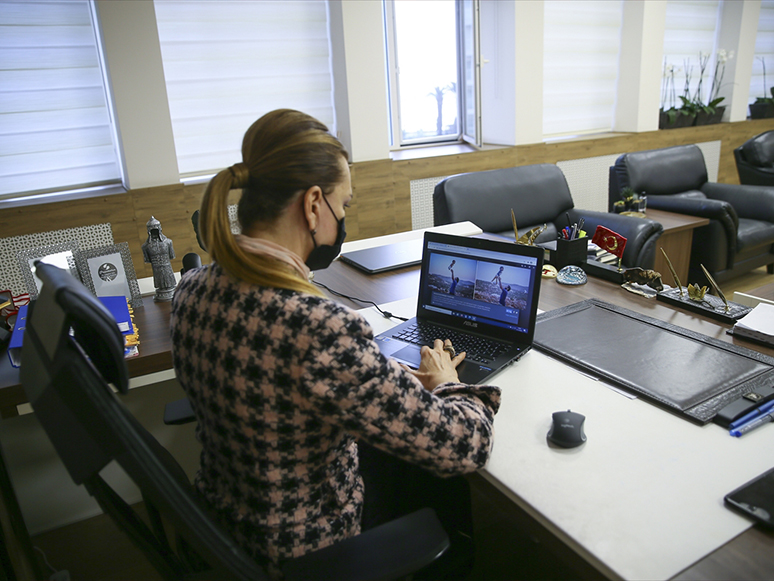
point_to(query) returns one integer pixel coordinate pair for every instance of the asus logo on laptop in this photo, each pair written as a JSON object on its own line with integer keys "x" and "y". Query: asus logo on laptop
{"x": 470, "y": 324}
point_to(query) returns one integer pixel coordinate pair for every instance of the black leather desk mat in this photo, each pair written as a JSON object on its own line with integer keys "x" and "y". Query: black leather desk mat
{"x": 691, "y": 374}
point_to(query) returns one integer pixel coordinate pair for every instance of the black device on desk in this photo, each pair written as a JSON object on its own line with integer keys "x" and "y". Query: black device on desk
{"x": 755, "y": 498}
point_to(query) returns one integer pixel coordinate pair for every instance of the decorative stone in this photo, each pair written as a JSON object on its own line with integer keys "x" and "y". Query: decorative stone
{"x": 549, "y": 271}
{"x": 571, "y": 275}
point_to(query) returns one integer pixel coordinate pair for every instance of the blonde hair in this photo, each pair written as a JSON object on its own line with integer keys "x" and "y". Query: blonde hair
{"x": 284, "y": 153}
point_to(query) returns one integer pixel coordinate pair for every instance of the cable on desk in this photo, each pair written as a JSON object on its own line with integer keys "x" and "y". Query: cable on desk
{"x": 385, "y": 314}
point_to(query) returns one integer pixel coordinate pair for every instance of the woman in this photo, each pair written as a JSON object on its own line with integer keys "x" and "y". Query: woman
{"x": 283, "y": 381}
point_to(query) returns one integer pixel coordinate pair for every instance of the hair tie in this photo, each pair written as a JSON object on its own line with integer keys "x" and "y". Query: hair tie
{"x": 241, "y": 175}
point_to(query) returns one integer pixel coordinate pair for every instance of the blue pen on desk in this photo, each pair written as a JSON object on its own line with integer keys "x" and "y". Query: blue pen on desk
{"x": 752, "y": 424}
{"x": 759, "y": 411}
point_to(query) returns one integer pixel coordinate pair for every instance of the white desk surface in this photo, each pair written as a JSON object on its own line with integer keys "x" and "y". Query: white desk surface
{"x": 643, "y": 497}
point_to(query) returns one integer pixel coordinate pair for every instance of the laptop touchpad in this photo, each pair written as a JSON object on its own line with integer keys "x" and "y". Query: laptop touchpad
{"x": 410, "y": 355}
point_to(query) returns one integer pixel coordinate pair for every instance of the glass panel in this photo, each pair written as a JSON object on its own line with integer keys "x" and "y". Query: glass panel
{"x": 57, "y": 131}
{"x": 760, "y": 86}
{"x": 426, "y": 55}
{"x": 228, "y": 63}
{"x": 581, "y": 45}
{"x": 689, "y": 45}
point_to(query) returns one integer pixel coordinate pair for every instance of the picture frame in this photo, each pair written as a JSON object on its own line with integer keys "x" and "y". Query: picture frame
{"x": 109, "y": 271}
{"x": 65, "y": 255}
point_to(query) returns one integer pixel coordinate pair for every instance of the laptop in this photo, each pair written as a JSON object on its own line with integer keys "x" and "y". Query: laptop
{"x": 480, "y": 293}
{"x": 387, "y": 257}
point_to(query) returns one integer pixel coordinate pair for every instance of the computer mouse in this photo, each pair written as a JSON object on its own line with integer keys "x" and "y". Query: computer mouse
{"x": 567, "y": 429}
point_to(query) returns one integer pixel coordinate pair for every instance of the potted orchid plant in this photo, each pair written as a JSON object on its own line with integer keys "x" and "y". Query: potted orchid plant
{"x": 670, "y": 116}
{"x": 693, "y": 109}
{"x": 763, "y": 106}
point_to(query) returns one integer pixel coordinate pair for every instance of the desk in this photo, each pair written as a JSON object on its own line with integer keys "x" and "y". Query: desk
{"x": 748, "y": 555}
{"x": 152, "y": 320}
{"x": 676, "y": 242}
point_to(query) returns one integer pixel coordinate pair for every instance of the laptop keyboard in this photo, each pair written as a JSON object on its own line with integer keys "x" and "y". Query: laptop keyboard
{"x": 476, "y": 348}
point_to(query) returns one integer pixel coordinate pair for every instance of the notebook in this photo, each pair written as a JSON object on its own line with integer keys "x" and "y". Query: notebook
{"x": 482, "y": 294}
{"x": 386, "y": 257}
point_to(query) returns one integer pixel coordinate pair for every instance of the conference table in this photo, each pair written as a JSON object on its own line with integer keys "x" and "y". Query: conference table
{"x": 643, "y": 498}
{"x": 624, "y": 505}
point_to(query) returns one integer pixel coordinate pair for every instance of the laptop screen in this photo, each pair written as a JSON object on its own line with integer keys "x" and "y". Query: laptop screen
{"x": 480, "y": 283}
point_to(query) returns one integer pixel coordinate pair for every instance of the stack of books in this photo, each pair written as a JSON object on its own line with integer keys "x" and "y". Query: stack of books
{"x": 757, "y": 325}
{"x": 118, "y": 307}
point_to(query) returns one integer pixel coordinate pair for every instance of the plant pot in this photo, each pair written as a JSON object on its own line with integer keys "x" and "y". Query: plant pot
{"x": 703, "y": 118}
{"x": 681, "y": 120}
{"x": 761, "y": 110}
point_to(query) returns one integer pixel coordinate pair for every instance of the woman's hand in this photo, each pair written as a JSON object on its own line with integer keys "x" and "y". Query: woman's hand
{"x": 439, "y": 364}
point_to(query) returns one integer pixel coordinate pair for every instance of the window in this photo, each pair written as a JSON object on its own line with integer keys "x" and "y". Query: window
{"x": 581, "y": 42}
{"x": 56, "y": 131}
{"x": 764, "y": 54}
{"x": 690, "y": 31}
{"x": 228, "y": 63}
{"x": 433, "y": 70}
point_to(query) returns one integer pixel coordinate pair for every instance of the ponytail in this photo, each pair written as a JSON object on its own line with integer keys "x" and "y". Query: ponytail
{"x": 215, "y": 230}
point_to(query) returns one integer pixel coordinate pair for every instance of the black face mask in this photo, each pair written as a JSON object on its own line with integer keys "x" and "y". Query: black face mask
{"x": 322, "y": 256}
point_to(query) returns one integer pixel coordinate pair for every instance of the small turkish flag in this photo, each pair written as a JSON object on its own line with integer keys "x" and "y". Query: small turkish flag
{"x": 608, "y": 240}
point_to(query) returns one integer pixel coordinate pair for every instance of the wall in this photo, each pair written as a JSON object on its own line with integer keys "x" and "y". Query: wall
{"x": 382, "y": 202}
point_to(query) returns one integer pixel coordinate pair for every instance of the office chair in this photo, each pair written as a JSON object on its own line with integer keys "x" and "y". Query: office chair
{"x": 67, "y": 379}
{"x": 755, "y": 160}
{"x": 538, "y": 194}
{"x": 740, "y": 233}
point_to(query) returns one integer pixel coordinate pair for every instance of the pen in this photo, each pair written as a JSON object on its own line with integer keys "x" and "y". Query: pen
{"x": 567, "y": 215}
{"x": 760, "y": 410}
{"x": 751, "y": 425}
{"x": 580, "y": 225}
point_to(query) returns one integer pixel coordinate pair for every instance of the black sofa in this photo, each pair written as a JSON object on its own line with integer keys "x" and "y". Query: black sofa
{"x": 740, "y": 234}
{"x": 538, "y": 194}
{"x": 755, "y": 160}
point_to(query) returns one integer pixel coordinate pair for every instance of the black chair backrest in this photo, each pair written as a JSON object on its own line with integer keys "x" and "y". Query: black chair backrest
{"x": 667, "y": 171}
{"x": 759, "y": 150}
{"x": 537, "y": 193}
{"x": 67, "y": 379}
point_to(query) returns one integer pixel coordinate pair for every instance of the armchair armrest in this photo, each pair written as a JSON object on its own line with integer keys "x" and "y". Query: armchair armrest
{"x": 753, "y": 202}
{"x": 703, "y": 207}
{"x": 640, "y": 233}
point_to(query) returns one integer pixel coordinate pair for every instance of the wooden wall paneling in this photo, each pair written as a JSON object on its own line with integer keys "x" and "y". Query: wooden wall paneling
{"x": 382, "y": 188}
{"x": 374, "y": 200}
{"x": 32, "y": 219}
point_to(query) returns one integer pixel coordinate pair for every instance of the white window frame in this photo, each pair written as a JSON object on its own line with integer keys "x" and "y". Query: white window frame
{"x": 468, "y": 134}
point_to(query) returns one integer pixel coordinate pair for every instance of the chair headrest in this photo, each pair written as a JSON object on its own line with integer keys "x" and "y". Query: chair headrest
{"x": 666, "y": 171}
{"x": 94, "y": 328}
{"x": 536, "y": 193}
{"x": 760, "y": 149}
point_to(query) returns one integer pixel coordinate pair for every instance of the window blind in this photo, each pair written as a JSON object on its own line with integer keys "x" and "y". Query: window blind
{"x": 690, "y": 29}
{"x": 581, "y": 42}
{"x": 764, "y": 49}
{"x": 228, "y": 63}
{"x": 55, "y": 127}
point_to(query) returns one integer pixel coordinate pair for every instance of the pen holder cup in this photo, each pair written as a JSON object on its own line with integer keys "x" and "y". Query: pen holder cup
{"x": 569, "y": 252}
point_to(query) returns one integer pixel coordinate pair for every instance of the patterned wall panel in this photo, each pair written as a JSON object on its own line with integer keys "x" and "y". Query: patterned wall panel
{"x": 11, "y": 277}
{"x": 422, "y": 202}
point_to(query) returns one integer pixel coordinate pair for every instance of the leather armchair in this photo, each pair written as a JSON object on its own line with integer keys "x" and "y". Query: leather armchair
{"x": 740, "y": 234}
{"x": 755, "y": 160}
{"x": 538, "y": 194}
